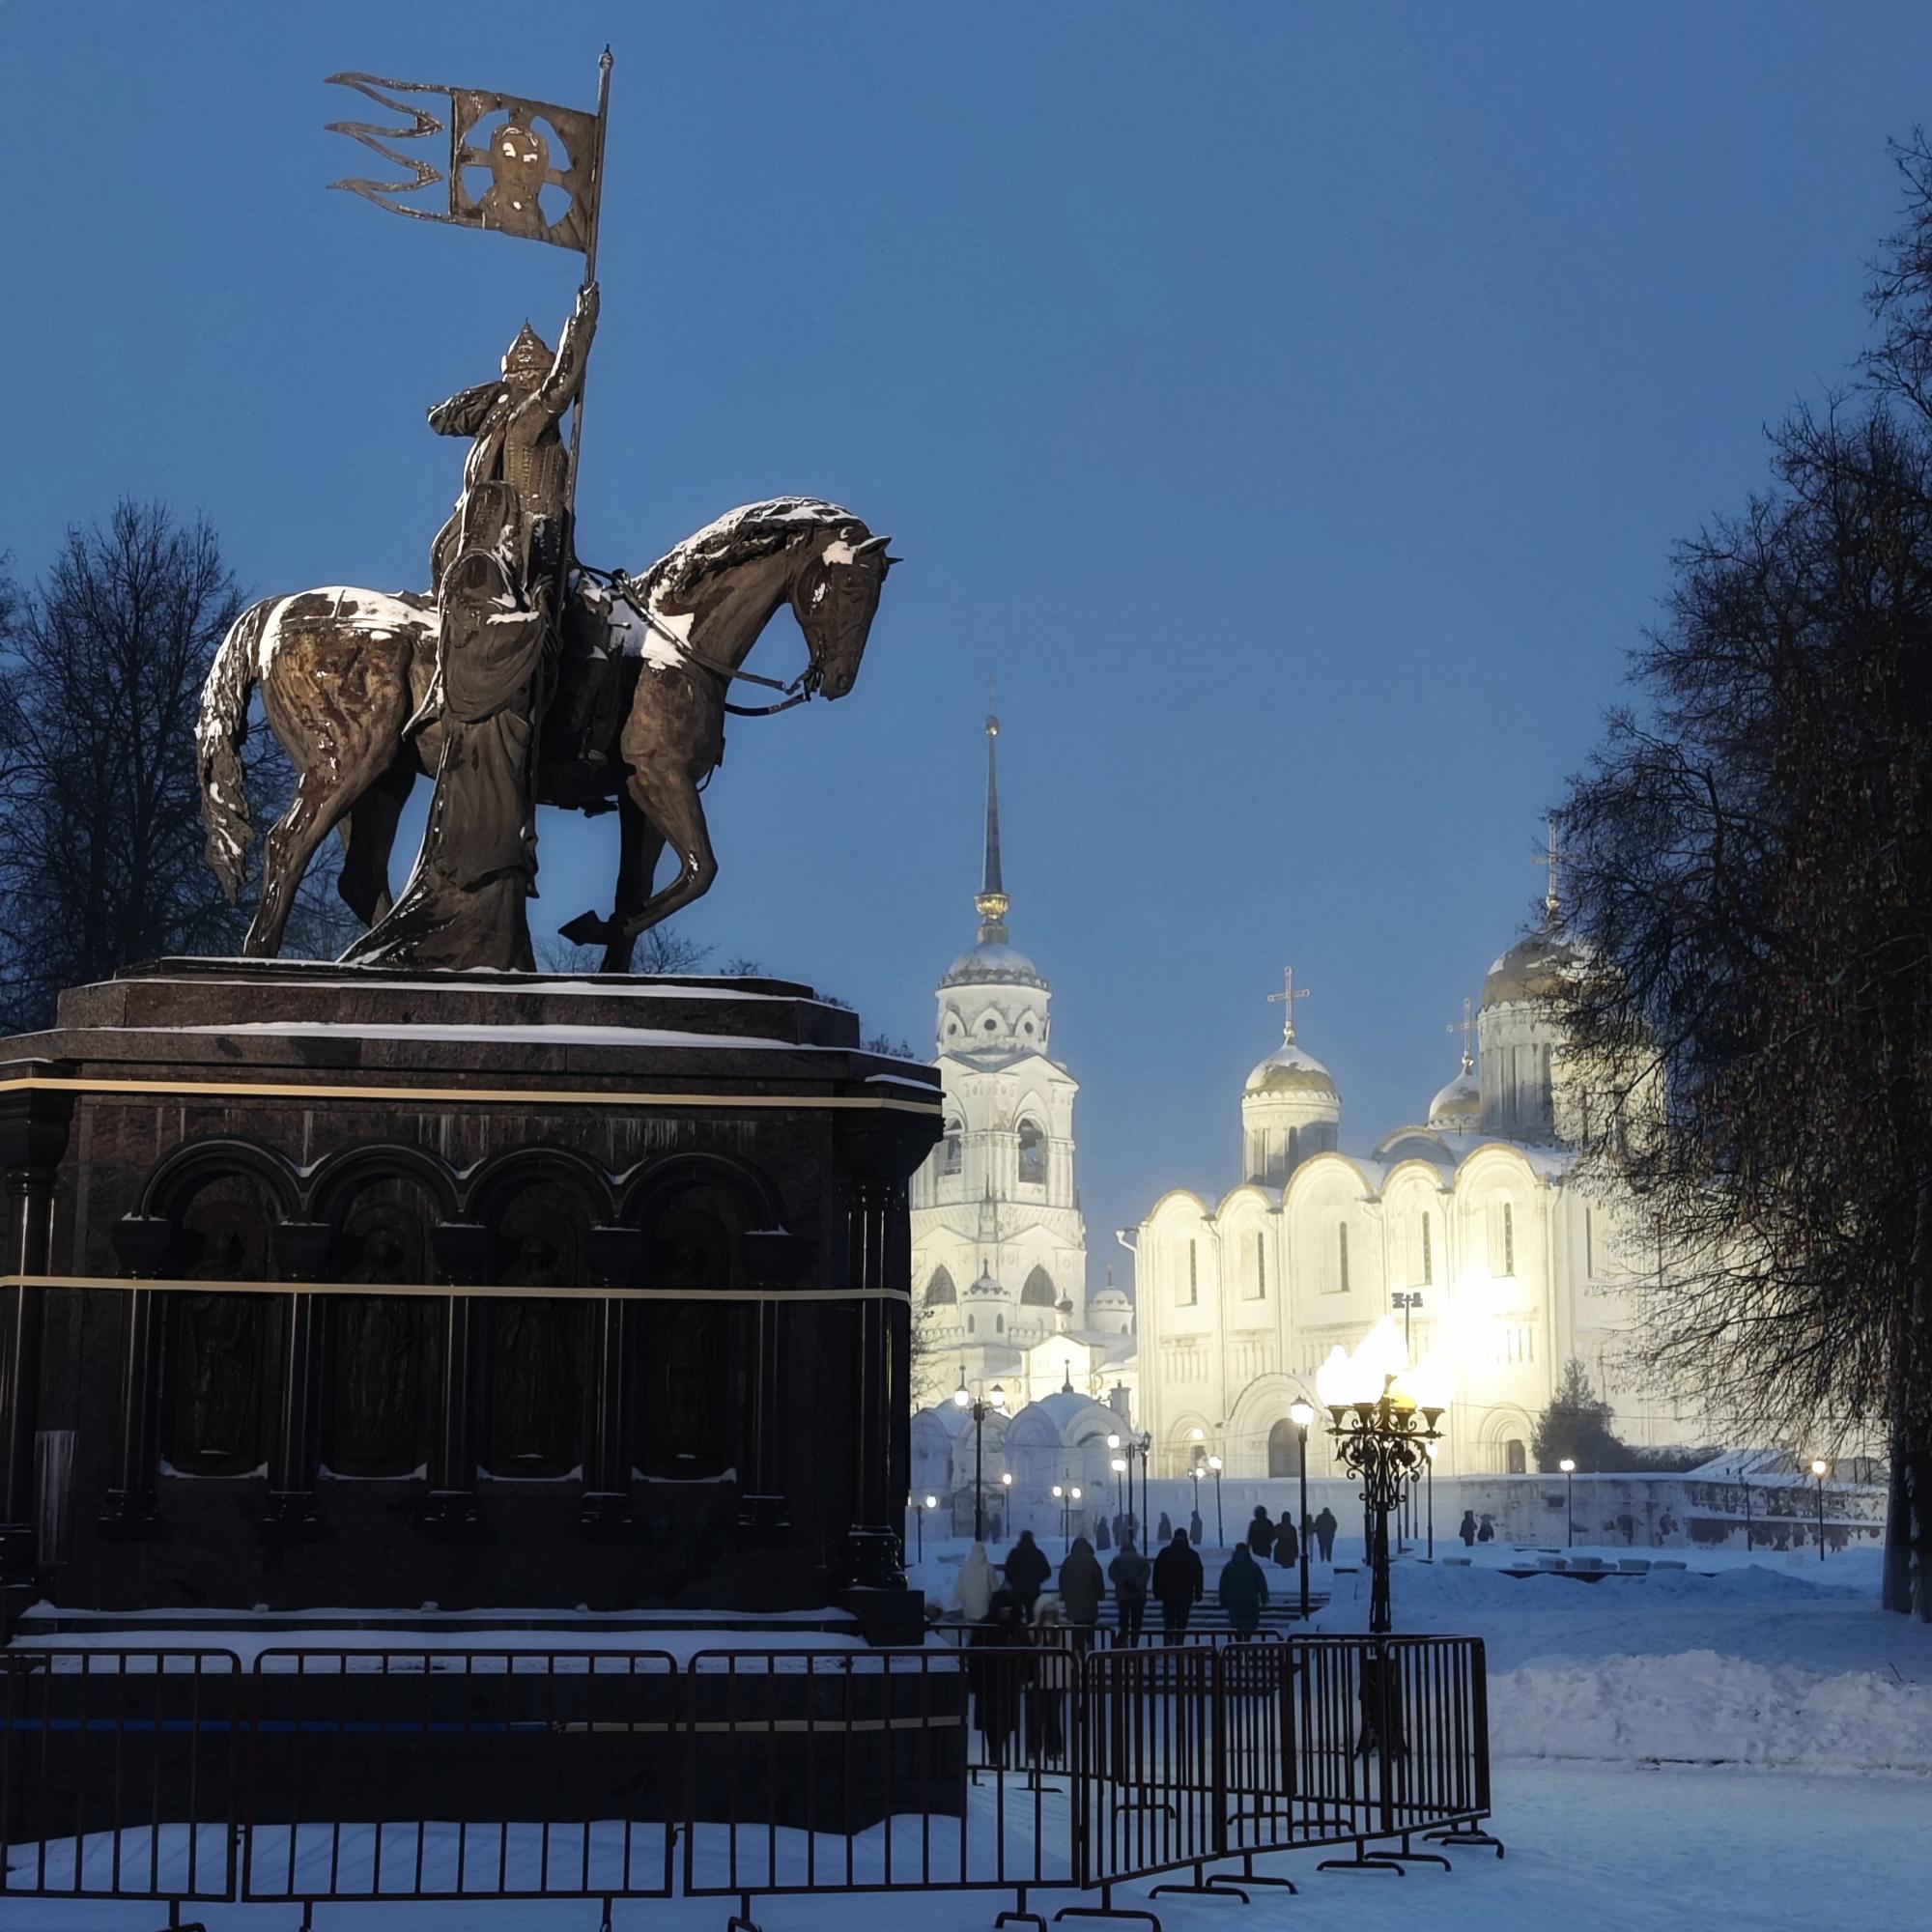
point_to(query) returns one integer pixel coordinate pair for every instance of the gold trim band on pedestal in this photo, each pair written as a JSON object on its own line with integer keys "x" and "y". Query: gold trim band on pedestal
{"x": 443, "y": 1291}
{"x": 491, "y": 1095}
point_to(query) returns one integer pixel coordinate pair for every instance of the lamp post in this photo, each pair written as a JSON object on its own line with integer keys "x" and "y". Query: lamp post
{"x": 1060, "y": 1496}
{"x": 1220, "y": 1521}
{"x": 1301, "y": 1414}
{"x": 1072, "y": 1505}
{"x": 932, "y": 1503}
{"x": 1429, "y": 1449}
{"x": 1142, "y": 1442}
{"x": 1820, "y": 1469}
{"x": 1569, "y": 1470}
{"x": 1200, "y": 1476}
{"x": 1383, "y": 1420}
{"x": 997, "y": 1401}
{"x": 1119, "y": 1465}
{"x": 1407, "y": 1299}
{"x": 1006, "y": 1504}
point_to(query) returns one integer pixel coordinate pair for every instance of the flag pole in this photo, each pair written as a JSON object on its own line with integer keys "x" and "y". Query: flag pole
{"x": 605, "y": 63}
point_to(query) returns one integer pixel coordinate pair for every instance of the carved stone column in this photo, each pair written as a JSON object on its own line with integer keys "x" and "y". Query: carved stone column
{"x": 773, "y": 1259}
{"x": 452, "y": 1513}
{"x": 144, "y": 1245}
{"x": 612, "y": 1256}
{"x": 293, "y": 1514}
{"x": 33, "y": 1135}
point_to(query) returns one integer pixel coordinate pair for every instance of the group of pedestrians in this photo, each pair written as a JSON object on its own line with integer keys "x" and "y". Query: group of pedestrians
{"x": 1282, "y": 1540}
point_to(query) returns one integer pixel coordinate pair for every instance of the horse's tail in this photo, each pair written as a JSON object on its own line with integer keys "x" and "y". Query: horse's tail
{"x": 220, "y": 732}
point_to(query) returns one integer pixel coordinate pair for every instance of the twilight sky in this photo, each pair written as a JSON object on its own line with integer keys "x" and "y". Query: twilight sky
{"x": 1292, "y": 409}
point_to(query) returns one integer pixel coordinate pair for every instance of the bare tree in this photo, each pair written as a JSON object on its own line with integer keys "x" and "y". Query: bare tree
{"x": 101, "y": 676}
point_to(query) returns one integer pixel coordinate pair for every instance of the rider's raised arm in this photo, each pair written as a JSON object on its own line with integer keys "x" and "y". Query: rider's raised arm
{"x": 559, "y": 386}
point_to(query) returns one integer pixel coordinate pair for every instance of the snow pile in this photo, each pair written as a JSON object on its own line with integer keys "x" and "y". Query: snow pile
{"x": 1700, "y": 1707}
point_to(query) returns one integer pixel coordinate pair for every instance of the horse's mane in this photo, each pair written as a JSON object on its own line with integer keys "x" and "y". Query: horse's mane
{"x": 752, "y": 531}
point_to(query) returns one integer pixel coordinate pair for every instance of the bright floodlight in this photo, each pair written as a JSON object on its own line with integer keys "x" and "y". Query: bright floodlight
{"x": 1214, "y": 1461}
{"x": 1120, "y": 1466}
{"x": 1818, "y": 1466}
{"x": 1113, "y": 1442}
{"x": 1057, "y": 1490}
{"x": 1198, "y": 1472}
{"x": 960, "y": 1399}
{"x": 999, "y": 1397}
{"x": 1076, "y": 1493}
{"x": 1301, "y": 1414}
{"x": 1197, "y": 1436}
{"x": 1006, "y": 1477}
{"x": 1567, "y": 1466}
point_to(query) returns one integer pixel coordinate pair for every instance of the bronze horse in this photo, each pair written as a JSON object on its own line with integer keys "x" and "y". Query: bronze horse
{"x": 342, "y": 671}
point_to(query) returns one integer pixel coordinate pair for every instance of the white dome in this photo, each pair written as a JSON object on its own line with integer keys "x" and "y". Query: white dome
{"x": 1459, "y": 1103}
{"x": 1534, "y": 968}
{"x": 1109, "y": 1298}
{"x": 993, "y": 963}
{"x": 987, "y": 1287}
{"x": 1290, "y": 1070}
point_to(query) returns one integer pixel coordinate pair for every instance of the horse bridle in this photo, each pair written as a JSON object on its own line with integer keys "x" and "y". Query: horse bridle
{"x": 801, "y": 687}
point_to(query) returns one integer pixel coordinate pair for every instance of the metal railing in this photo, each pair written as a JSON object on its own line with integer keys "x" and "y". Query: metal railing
{"x": 328, "y": 1778}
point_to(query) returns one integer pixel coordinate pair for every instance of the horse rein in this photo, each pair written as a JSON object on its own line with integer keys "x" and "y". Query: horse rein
{"x": 799, "y": 691}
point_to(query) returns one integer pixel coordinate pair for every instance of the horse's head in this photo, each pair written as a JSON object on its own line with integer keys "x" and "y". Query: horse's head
{"x": 836, "y": 580}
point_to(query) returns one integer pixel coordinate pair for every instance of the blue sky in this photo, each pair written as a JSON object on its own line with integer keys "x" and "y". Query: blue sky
{"x": 1292, "y": 408}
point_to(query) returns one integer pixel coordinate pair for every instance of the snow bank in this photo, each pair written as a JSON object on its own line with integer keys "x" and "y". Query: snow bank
{"x": 1700, "y": 1707}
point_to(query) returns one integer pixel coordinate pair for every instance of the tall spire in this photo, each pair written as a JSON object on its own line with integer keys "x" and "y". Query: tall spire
{"x": 992, "y": 899}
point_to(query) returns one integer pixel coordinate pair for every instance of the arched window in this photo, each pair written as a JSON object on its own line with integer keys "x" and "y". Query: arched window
{"x": 1032, "y": 1153}
{"x": 999, "y": 1324}
{"x": 1192, "y": 1294}
{"x": 940, "y": 1292}
{"x": 1341, "y": 1259}
{"x": 1505, "y": 1239}
{"x": 1516, "y": 1458}
{"x": 949, "y": 1148}
{"x": 1283, "y": 1449}
{"x": 1261, "y": 1286}
{"x": 1037, "y": 1291}
{"x": 1427, "y": 1273}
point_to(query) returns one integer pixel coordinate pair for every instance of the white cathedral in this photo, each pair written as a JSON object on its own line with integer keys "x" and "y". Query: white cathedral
{"x": 1467, "y": 1228}
{"x": 999, "y": 1245}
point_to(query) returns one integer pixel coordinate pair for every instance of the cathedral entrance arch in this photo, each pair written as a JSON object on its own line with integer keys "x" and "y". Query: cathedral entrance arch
{"x": 1283, "y": 1449}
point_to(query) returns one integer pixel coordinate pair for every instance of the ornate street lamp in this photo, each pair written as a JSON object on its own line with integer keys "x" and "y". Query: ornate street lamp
{"x": 1383, "y": 1415}
{"x": 1820, "y": 1469}
{"x": 1301, "y": 1414}
{"x": 932, "y": 1503}
{"x": 1429, "y": 1449}
{"x": 1569, "y": 1470}
{"x": 997, "y": 1401}
{"x": 1142, "y": 1442}
{"x": 1220, "y": 1521}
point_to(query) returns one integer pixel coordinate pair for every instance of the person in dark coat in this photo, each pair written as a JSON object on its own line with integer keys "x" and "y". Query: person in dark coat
{"x": 1261, "y": 1532}
{"x": 1488, "y": 1532}
{"x": 1101, "y": 1540}
{"x": 1195, "y": 1534}
{"x": 1244, "y": 1590}
{"x": 1165, "y": 1528}
{"x": 1120, "y": 1529}
{"x": 1129, "y": 1574}
{"x": 995, "y": 1673}
{"x": 1083, "y": 1587}
{"x": 1467, "y": 1529}
{"x": 1286, "y": 1545}
{"x": 1026, "y": 1571}
{"x": 1179, "y": 1583}
{"x": 1308, "y": 1531}
{"x": 1326, "y": 1527}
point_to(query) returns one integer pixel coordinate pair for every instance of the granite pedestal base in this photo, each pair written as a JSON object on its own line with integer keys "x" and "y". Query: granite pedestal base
{"x": 330, "y": 1287}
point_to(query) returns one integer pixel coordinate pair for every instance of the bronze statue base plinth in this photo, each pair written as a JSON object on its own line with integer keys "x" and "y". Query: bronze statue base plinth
{"x": 488, "y": 1289}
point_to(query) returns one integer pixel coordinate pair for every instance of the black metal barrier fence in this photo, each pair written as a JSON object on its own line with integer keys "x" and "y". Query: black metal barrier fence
{"x": 331, "y": 1776}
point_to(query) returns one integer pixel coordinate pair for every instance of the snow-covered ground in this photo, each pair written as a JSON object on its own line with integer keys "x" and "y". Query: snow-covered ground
{"x": 1751, "y": 1747}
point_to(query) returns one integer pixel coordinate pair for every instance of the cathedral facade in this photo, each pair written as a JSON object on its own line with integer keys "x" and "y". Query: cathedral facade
{"x": 1469, "y": 1228}
{"x": 1000, "y": 1284}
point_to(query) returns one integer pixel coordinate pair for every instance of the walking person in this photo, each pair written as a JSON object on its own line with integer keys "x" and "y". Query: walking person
{"x": 1286, "y": 1545}
{"x": 1194, "y": 1532}
{"x": 1179, "y": 1583}
{"x": 1129, "y": 1574}
{"x": 973, "y": 1592}
{"x": 1082, "y": 1588}
{"x": 1027, "y": 1570}
{"x": 996, "y": 1675}
{"x": 1166, "y": 1529}
{"x": 1261, "y": 1532}
{"x": 1325, "y": 1527}
{"x": 1488, "y": 1532}
{"x": 1466, "y": 1529}
{"x": 1244, "y": 1590}
{"x": 1049, "y": 1685}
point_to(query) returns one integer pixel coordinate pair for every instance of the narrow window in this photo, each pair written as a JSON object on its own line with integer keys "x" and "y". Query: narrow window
{"x": 1342, "y": 1258}
{"x": 1428, "y": 1259}
{"x": 1589, "y": 1245}
{"x": 1193, "y": 1277}
{"x": 1509, "y": 1238}
{"x": 1260, "y": 1269}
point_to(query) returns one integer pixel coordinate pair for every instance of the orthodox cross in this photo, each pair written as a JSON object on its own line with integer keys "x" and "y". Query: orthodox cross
{"x": 1286, "y": 997}
{"x": 1467, "y": 1027}
{"x": 1553, "y": 898}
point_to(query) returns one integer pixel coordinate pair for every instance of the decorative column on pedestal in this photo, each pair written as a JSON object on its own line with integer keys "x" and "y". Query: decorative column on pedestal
{"x": 293, "y": 1513}
{"x": 614, "y": 1255}
{"x": 773, "y": 1259}
{"x": 144, "y": 1245}
{"x": 452, "y": 1513}
{"x": 33, "y": 1135}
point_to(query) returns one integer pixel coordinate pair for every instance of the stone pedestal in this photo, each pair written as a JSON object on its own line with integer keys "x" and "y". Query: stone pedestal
{"x": 329, "y": 1286}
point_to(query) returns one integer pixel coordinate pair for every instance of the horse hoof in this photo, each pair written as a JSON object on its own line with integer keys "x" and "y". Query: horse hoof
{"x": 588, "y": 929}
